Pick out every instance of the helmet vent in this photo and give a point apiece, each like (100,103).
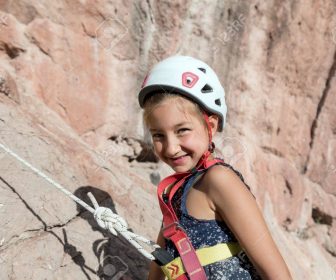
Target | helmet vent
(206,89)
(202,69)
(218,102)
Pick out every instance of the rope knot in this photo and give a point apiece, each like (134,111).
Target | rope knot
(109,220)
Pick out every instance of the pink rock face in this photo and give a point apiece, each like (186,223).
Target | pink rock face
(72,80)
(69,75)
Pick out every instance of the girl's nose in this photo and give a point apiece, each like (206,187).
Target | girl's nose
(172,146)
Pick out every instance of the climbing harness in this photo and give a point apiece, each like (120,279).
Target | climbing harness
(207,255)
(190,263)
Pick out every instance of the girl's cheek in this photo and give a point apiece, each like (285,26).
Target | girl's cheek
(195,141)
(190,139)
(157,147)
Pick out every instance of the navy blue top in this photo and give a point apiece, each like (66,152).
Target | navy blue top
(205,233)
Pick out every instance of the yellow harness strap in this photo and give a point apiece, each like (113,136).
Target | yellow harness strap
(206,256)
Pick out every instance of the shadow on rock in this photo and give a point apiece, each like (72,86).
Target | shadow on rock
(117,258)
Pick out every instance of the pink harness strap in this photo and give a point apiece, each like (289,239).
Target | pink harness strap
(172,230)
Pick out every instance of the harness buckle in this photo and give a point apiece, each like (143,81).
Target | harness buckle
(171,229)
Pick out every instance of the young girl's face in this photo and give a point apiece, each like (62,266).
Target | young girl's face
(179,135)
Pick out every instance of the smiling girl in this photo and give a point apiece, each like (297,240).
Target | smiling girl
(212,226)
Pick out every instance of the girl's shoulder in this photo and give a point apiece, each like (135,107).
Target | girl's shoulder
(227,194)
(221,173)
(225,172)
(222,180)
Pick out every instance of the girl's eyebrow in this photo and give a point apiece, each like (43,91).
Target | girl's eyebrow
(176,126)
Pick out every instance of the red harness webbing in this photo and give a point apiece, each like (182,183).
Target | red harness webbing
(171,228)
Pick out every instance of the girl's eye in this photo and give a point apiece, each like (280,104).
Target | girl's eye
(182,130)
(157,136)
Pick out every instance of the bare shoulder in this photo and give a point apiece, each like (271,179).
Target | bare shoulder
(224,179)
(225,189)
(220,172)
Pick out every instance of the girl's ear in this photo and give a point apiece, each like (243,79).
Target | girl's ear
(213,121)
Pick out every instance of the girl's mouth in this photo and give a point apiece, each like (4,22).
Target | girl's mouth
(179,160)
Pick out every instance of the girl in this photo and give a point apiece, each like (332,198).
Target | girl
(212,227)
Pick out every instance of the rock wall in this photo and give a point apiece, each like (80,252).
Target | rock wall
(69,74)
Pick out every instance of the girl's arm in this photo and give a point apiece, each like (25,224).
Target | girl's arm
(155,272)
(235,204)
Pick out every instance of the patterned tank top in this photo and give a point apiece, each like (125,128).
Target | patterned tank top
(204,233)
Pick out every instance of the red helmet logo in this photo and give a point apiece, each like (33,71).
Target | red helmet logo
(189,79)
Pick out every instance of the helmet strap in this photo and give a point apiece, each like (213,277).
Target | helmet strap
(211,147)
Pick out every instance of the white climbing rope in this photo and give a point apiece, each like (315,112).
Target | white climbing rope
(104,216)
(115,223)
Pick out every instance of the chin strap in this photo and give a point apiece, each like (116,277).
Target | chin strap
(203,160)
(211,144)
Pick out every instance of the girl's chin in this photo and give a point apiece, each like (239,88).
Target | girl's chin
(180,169)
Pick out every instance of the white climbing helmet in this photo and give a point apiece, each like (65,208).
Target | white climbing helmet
(189,77)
